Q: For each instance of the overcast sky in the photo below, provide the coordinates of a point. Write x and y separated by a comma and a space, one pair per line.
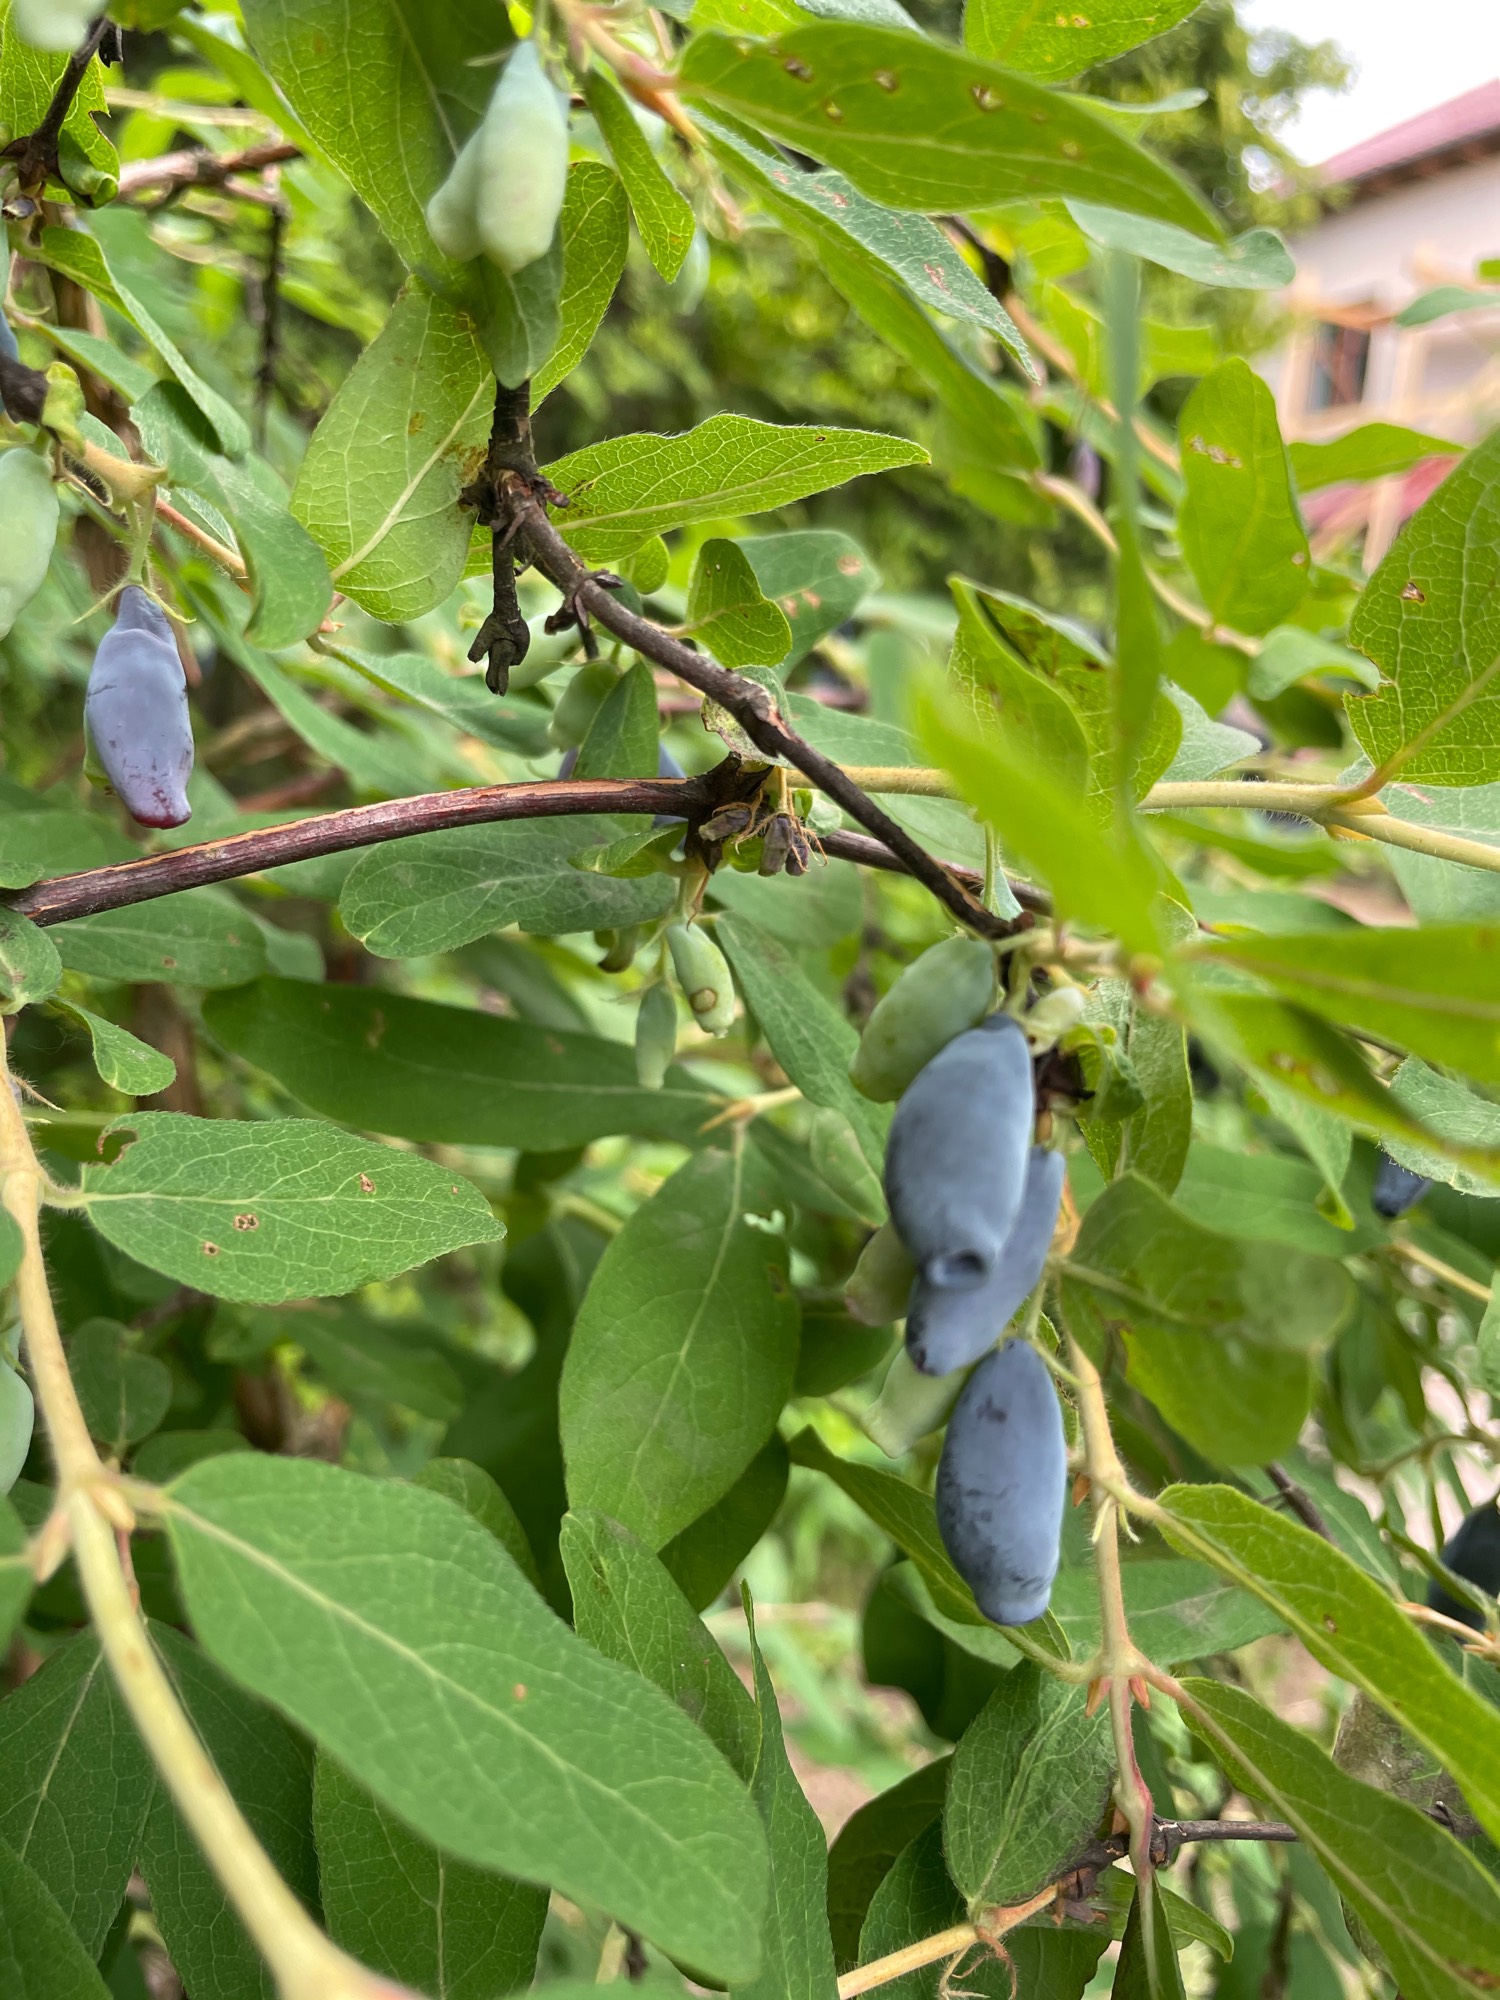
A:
1408, 55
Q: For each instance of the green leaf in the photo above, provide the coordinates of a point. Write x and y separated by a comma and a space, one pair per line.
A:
817, 576
1177, 1610
1268, 1196
1430, 620
1258, 261
826, 209
375, 761
461, 699
81, 257
1434, 991
728, 612
1443, 300
415, 74
808, 1035
797, 1960
1433, 1910
703, 1558
1458, 1114
682, 1355
993, 421
50, 842
121, 1058
1240, 530
1348, 1623
15, 1559
622, 739
624, 490
453, 1075
404, 435
1289, 654
1029, 1782
272, 1211
1440, 892
868, 1843
40, 1958
372, 1363
1369, 451
75, 1783
410, 1911
270, 1776
921, 125
389, 1625
1218, 1330
1051, 43
1153, 1141
439, 890
474, 1490
902, 1511
288, 576
630, 1608
1038, 720
1147, 1968
663, 215
30, 966
198, 938
28, 82
124, 1393
595, 234
1107, 881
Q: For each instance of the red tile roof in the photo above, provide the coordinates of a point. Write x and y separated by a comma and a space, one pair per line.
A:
1473, 117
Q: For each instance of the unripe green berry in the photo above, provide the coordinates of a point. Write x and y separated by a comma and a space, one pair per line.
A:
703, 973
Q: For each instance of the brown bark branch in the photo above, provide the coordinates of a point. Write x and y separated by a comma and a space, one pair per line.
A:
239, 854
748, 702
193, 167
122, 883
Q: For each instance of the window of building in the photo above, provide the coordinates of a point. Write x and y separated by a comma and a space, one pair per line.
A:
1341, 355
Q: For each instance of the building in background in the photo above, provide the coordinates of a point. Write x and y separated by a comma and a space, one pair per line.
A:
1411, 209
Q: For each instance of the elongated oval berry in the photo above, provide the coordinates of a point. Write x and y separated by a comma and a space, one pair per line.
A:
948, 989
1472, 1551
955, 1163
703, 973
948, 1328
1001, 1484
17, 1417
452, 213
655, 1035
522, 169
28, 530
881, 1281
1396, 1188
136, 713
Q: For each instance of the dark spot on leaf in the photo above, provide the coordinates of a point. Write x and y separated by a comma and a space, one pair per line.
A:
211, 1250
519, 1690
367, 1184
247, 1222
849, 565
1412, 593
416, 422
794, 66
986, 98
887, 79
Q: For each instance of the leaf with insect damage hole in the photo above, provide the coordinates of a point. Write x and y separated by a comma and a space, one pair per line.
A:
278, 1210
1430, 620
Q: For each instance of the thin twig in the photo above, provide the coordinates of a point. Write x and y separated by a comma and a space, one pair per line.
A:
193, 167
748, 702
1299, 1502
